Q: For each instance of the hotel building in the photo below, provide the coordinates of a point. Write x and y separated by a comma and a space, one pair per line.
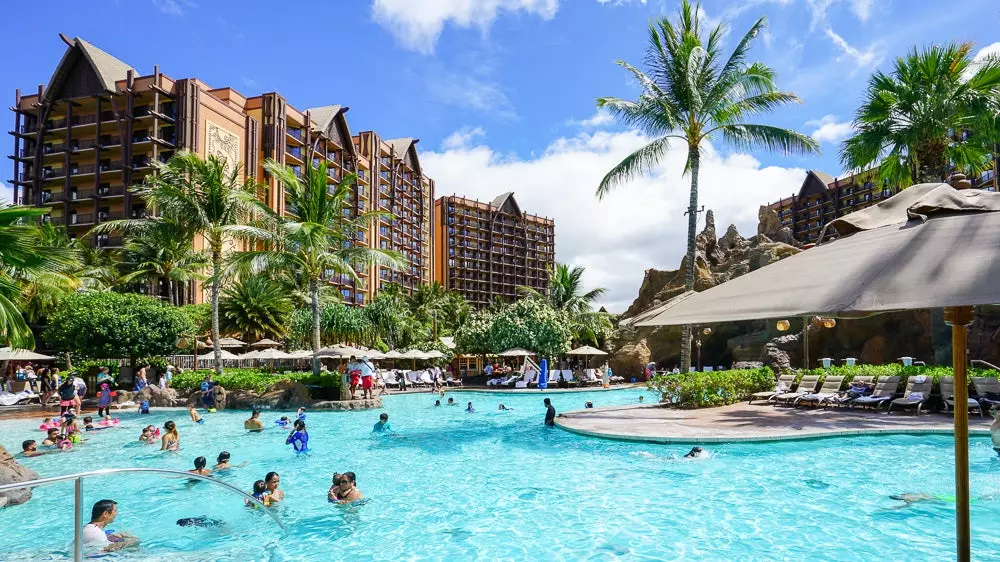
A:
81, 141
823, 198
486, 250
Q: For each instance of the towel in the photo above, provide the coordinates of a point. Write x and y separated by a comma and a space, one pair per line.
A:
919, 379
915, 396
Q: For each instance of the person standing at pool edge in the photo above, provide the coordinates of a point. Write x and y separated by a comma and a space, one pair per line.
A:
354, 372
550, 412
94, 535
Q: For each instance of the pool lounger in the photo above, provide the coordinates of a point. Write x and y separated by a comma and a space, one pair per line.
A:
830, 388
917, 392
947, 385
839, 400
885, 389
807, 385
788, 380
984, 387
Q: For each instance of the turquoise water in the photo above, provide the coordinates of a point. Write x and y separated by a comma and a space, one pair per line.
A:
498, 485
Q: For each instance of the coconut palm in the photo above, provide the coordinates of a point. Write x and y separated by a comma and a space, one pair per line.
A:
163, 251
428, 303
42, 291
207, 198
24, 255
935, 110
255, 307
692, 93
317, 237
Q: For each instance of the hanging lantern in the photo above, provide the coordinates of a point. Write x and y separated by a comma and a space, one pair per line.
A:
829, 322
784, 325
183, 343
707, 331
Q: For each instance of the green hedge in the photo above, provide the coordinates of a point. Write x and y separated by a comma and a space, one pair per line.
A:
891, 370
256, 380
714, 388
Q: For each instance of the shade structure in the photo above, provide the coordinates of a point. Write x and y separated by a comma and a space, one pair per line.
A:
516, 352
265, 343
300, 354
230, 342
586, 350
272, 354
929, 246
8, 354
339, 350
433, 354
249, 354
414, 354
392, 354
374, 354
226, 356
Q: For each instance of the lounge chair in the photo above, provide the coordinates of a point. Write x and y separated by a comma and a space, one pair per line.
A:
947, 385
452, 381
986, 387
413, 378
845, 398
807, 385
917, 392
784, 383
885, 389
389, 377
425, 378
830, 388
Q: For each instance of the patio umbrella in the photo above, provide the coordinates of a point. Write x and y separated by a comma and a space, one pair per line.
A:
265, 343
434, 354
338, 350
8, 354
226, 355
271, 355
516, 352
230, 342
929, 246
586, 350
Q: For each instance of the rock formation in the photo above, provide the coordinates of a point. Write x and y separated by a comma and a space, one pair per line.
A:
10, 473
220, 398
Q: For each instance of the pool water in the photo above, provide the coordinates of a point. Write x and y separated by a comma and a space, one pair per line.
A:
499, 486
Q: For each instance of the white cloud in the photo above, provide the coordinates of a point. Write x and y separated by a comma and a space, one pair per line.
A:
862, 8
828, 129
868, 58
469, 92
990, 51
599, 119
462, 138
6, 193
174, 7
418, 24
640, 225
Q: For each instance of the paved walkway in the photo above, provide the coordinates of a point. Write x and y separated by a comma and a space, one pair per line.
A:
742, 422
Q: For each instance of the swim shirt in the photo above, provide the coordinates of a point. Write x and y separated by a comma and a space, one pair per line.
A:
299, 440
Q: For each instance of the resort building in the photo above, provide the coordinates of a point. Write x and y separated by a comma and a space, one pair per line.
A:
82, 140
823, 198
486, 251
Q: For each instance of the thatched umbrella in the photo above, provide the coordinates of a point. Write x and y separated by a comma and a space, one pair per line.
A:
266, 343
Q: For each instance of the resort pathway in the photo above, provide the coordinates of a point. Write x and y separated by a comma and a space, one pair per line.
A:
743, 422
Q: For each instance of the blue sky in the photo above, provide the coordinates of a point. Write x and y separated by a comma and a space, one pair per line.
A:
501, 92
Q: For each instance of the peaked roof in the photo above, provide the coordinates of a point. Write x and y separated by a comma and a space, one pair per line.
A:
815, 183
323, 116
107, 68
506, 201
328, 118
400, 147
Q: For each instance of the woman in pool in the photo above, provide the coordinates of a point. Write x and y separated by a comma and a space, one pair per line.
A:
299, 439
437, 403
199, 467
344, 489
271, 482
470, 409
171, 440
67, 396
224, 464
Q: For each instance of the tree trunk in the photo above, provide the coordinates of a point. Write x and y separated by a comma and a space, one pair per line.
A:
170, 292
694, 158
314, 294
216, 270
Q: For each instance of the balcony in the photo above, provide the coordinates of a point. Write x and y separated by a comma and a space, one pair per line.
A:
79, 219
77, 195
116, 191
295, 133
105, 216
294, 151
105, 241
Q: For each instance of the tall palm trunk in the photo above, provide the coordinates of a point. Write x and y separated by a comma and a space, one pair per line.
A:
314, 295
216, 271
694, 158
170, 291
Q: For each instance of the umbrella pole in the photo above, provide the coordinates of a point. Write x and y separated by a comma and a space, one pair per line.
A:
959, 317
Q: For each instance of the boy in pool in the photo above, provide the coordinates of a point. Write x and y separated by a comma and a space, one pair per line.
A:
382, 425
199, 467
223, 462
451, 402
194, 415
299, 439
470, 409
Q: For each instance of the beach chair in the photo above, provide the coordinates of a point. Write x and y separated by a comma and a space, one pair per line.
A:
784, 381
918, 390
452, 381
987, 391
947, 385
807, 385
413, 378
885, 389
842, 398
389, 377
426, 379
830, 388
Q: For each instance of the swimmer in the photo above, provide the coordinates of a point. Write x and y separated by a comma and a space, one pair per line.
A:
344, 489
910, 498
148, 435
51, 437
194, 415
271, 482
199, 467
283, 421
200, 522
588, 405
641, 398
299, 439
437, 403
88, 425
451, 402
470, 409
503, 408
301, 414
695, 453
260, 494
254, 424
30, 449
223, 462
171, 440
382, 425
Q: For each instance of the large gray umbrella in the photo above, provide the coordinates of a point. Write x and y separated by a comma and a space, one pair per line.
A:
8, 354
929, 246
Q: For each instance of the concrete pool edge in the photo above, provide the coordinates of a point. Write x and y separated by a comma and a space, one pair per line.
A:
667, 440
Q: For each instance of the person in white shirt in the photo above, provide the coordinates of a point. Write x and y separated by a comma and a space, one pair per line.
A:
96, 538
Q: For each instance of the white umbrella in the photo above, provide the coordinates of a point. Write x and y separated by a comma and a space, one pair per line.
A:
434, 354
414, 354
586, 350
272, 354
266, 343
516, 352
339, 350
249, 354
8, 354
230, 342
211, 357
392, 354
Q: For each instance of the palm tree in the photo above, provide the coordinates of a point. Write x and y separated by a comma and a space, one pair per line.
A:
691, 94
428, 304
255, 307
206, 198
936, 110
565, 294
317, 238
23, 254
163, 250
42, 291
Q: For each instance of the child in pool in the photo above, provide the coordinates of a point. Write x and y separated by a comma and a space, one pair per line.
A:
283, 421
224, 464
194, 415
260, 493
199, 467
299, 439
88, 425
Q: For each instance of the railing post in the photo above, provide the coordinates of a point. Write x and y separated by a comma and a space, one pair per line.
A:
78, 519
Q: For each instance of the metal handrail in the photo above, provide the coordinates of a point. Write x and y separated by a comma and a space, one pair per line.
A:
77, 479
988, 364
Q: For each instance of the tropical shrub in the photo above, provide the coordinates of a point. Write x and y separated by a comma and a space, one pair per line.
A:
200, 316
257, 380
97, 325
713, 388
255, 307
528, 323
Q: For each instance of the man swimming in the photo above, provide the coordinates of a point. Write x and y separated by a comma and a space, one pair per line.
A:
694, 453
30, 449
382, 425
254, 424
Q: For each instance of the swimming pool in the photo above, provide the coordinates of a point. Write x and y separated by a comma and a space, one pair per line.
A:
498, 485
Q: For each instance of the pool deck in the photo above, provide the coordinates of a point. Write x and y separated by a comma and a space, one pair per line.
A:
751, 423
